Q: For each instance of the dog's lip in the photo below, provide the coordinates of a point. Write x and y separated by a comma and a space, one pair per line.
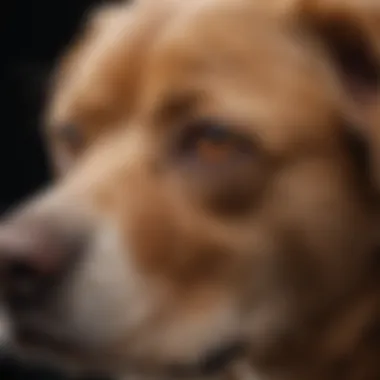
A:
37, 341
28, 337
35, 344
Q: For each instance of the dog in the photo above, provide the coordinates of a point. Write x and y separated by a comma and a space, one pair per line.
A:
215, 213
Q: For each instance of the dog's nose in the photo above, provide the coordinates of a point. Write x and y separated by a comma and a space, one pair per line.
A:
32, 259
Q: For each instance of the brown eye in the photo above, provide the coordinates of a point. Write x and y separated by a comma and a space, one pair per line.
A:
71, 136
221, 166
212, 143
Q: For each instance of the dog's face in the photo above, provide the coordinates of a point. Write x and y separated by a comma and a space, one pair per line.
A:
209, 194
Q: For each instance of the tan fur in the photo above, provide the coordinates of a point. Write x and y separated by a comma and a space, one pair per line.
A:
168, 277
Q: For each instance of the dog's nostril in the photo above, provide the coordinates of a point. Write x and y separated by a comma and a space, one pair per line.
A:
26, 253
31, 260
20, 270
21, 284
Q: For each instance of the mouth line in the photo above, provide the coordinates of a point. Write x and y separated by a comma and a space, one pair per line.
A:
31, 339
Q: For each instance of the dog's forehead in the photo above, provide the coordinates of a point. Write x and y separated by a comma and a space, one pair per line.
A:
232, 52
98, 71
245, 65
101, 67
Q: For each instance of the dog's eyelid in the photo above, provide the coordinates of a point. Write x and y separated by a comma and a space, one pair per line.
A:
176, 107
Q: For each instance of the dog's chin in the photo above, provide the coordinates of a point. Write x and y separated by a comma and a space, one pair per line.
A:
41, 348
44, 349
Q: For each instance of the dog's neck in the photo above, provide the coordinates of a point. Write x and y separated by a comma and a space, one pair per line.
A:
342, 342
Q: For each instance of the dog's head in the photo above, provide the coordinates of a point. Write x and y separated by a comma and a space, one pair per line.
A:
215, 189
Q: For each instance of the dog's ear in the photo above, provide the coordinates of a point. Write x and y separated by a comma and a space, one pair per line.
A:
348, 31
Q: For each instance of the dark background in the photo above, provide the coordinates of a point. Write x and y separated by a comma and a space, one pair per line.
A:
33, 35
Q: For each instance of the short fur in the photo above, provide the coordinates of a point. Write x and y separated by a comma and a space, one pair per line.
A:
168, 274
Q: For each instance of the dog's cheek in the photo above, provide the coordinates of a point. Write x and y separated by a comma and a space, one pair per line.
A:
317, 205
